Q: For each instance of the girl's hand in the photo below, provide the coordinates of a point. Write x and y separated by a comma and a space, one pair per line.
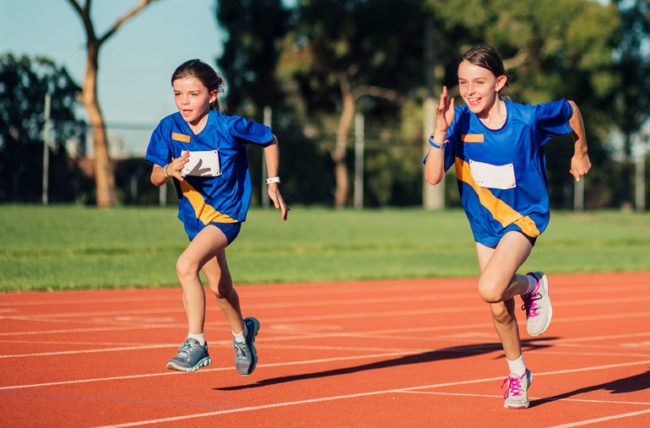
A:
174, 168
580, 165
278, 201
444, 111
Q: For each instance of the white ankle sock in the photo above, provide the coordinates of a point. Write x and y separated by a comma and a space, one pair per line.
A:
532, 283
198, 337
517, 367
240, 337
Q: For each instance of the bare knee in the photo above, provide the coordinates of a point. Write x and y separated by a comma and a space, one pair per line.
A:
489, 290
185, 267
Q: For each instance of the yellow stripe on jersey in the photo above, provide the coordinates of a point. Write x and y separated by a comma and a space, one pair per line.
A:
204, 212
472, 138
502, 212
180, 137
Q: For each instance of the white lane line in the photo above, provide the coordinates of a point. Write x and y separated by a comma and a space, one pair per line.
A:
603, 419
364, 394
580, 400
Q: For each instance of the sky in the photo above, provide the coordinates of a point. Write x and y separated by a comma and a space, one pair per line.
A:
135, 64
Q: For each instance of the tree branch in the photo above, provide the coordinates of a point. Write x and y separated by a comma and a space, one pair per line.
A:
124, 18
84, 14
374, 91
517, 60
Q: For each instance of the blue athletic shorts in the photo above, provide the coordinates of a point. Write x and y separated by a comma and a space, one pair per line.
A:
231, 230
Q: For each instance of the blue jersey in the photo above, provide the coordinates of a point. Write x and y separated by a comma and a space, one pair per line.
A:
501, 173
224, 198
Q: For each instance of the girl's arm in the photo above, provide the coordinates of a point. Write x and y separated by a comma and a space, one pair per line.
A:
580, 163
272, 159
160, 174
434, 167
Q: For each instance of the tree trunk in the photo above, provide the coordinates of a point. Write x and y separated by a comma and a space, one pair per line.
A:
339, 152
104, 176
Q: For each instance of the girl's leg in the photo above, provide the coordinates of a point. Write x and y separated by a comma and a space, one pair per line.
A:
244, 331
218, 275
204, 248
498, 285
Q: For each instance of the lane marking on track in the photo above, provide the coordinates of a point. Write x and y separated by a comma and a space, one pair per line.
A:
603, 419
580, 400
366, 394
117, 327
328, 303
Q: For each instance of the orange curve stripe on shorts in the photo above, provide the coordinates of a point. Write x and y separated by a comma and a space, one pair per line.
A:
502, 212
204, 212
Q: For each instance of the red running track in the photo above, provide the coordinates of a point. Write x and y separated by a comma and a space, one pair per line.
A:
345, 354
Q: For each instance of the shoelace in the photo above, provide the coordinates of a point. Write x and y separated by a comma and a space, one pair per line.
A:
186, 349
514, 386
530, 302
240, 349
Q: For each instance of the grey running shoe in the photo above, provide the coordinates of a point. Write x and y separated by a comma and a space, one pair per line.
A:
245, 353
537, 305
191, 357
516, 394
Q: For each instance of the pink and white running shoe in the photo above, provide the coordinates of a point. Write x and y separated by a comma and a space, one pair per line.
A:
516, 394
537, 305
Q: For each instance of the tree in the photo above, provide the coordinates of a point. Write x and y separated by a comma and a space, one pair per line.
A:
339, 51
632, 99
104, 176
255, 29
23, 85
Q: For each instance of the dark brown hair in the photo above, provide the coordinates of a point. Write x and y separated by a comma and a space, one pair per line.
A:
487, 57
202, 71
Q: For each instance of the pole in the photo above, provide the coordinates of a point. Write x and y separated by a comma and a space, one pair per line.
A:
265, 194
579, 194
46, 151
433, 197
640, 183
359, 137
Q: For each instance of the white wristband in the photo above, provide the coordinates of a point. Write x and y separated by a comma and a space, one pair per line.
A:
273, 180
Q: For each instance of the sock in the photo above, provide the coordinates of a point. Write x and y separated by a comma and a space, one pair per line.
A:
532, 283
240, 337
517, 367
198, 337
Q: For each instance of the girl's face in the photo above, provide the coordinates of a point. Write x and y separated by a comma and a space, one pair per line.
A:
478, 87
192, 99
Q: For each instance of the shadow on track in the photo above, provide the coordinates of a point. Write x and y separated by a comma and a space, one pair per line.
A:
425, 357
620, 386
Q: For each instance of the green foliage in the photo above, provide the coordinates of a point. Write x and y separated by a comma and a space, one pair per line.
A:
68, 247
23, 85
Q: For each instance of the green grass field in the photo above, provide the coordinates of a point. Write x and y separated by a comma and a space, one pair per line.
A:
69, 247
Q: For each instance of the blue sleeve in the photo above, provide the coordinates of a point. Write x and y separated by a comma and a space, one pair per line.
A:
249, 131
552, 119
159, 150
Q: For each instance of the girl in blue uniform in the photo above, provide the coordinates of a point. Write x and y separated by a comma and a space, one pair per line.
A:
204, 152
496, 147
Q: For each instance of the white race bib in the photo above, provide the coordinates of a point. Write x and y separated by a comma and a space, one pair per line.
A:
493, 176
202, 164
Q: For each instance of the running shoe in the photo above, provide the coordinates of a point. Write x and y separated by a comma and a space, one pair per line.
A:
516, 394
245, 353
537, 305
191, 356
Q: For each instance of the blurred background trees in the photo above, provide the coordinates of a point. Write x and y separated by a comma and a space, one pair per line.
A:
315, 64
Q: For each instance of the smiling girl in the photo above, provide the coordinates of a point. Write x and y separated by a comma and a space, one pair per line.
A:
497, 148
204, 152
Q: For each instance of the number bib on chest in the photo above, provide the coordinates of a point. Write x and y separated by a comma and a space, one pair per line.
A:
493, 176
202, 164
